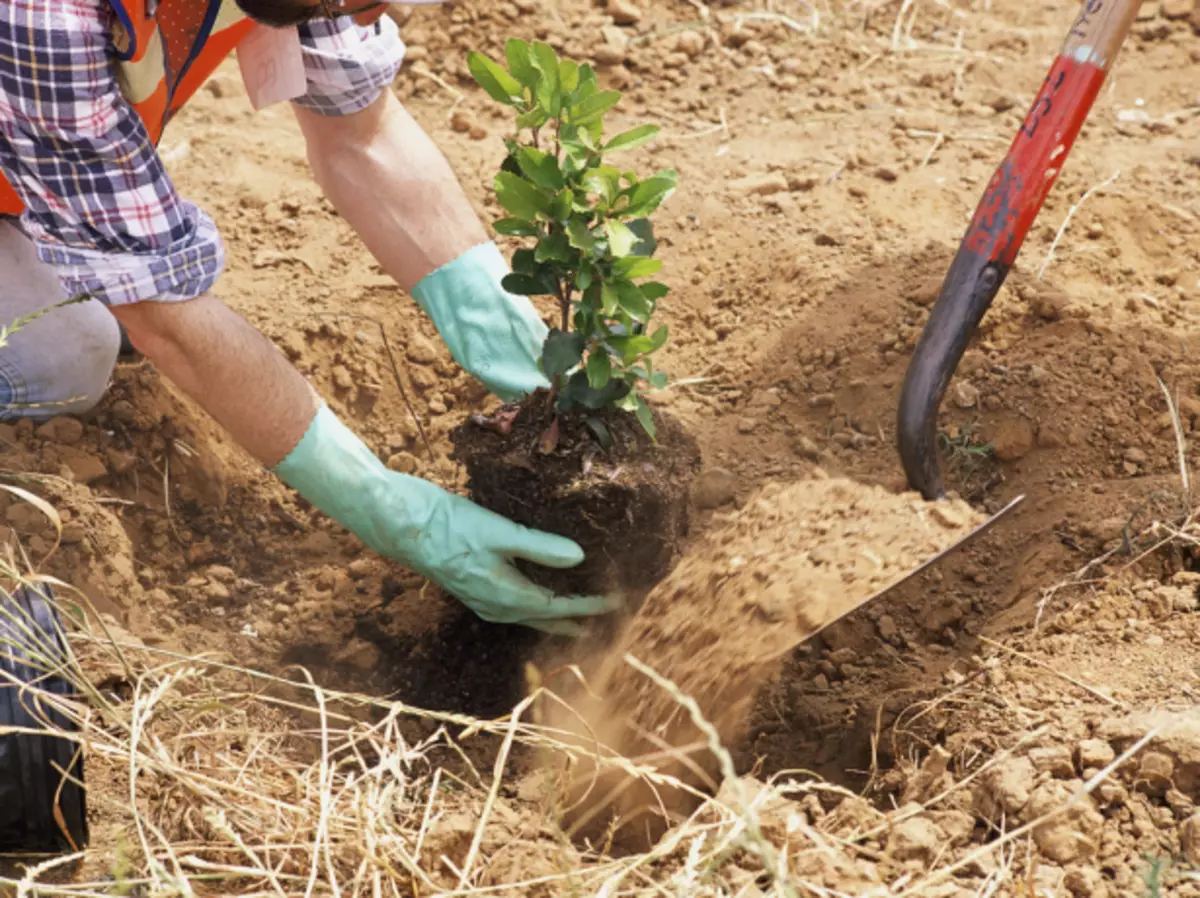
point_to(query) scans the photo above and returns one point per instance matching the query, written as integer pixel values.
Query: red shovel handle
(1009, 206)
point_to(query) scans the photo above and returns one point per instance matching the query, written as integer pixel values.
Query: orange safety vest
(163, 58)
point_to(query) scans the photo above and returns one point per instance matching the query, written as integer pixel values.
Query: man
(99, 217)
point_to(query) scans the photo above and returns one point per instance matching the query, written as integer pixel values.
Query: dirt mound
(761, 581)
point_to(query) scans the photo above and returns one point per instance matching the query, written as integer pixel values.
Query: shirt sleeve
(348, 66)
(100, 207)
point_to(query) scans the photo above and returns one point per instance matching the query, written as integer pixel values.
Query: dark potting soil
(626, 506)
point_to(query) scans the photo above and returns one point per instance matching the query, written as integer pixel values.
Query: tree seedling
(591, 244)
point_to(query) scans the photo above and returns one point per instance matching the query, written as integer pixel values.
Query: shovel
(1009, 206)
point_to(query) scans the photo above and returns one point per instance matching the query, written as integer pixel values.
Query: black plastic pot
(42, 802)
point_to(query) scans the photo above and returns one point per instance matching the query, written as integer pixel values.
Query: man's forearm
(392, 184)
(229, 368)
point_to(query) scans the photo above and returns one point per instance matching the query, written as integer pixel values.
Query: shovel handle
(1007, 210)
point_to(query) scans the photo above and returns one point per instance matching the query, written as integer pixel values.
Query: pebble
(917, 838)
(764, 184)
(607, 54)
(1136, 456)
(747, 425)
(1095, 753)
(420, 350)
(403, 463)
(714, 488)
(464, 123)
(888, 630)
(85, 467)
(68, 431)
(623, 12)
(948, 515)
(121, 462)
(1189, 839)
(886, 173)
(1011, 440)
(806, 448)
(342, 378)
(964, 394)
(1055, 760)
(1156, 769)
(999, 101)
(360, 567)
(122, 410)
(690, 43)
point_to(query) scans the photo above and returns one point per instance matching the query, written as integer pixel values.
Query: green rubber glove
(446, 538)
(495, 336)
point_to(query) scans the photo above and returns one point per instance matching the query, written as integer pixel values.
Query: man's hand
(443, 537)
(396, 189)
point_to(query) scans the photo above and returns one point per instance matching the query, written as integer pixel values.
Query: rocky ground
(829, 158)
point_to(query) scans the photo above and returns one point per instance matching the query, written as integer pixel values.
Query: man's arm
(393, 186)
(229, 368)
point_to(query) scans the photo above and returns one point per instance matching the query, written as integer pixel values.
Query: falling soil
(795, 559)
(626, 506)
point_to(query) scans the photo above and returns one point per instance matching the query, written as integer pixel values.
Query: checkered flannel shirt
(100, 207)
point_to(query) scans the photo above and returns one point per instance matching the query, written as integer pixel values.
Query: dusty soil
(829, 159)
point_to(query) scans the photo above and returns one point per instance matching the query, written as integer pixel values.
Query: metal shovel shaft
(1008, 208)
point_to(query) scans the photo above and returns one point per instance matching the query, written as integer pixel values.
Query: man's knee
(58, 362)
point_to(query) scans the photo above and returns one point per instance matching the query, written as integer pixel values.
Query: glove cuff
(475, 273)
(335, 471)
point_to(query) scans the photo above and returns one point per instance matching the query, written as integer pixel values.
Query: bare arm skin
(234, 372)
(391, 183)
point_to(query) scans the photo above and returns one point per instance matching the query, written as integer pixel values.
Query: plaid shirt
(100, 207)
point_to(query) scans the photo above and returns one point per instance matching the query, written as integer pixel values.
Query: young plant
(588, 223)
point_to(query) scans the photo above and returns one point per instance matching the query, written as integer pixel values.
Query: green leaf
(644, 230)
(581, 237)
(642, 410)
(520, 62)
(599, 368)
(634, 267)
(604, 181)
(526, 285)
(633, 138)
(575, 156)
(654, 291)
(649, 194)
(561, 352)
(620, 238)
(659, 338)
(548, 91)
(520, 198)
(523, 262)
(583, 279)
(498, 83)
(581, 392)
(539, 167)
(563, 204)
(658, 380)
(593, 108)
(554, 248)
(610, 299)
(568, 76)
(587, 83)
(600, 429)
(533, 118)
(515, 227)
(633, 302)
